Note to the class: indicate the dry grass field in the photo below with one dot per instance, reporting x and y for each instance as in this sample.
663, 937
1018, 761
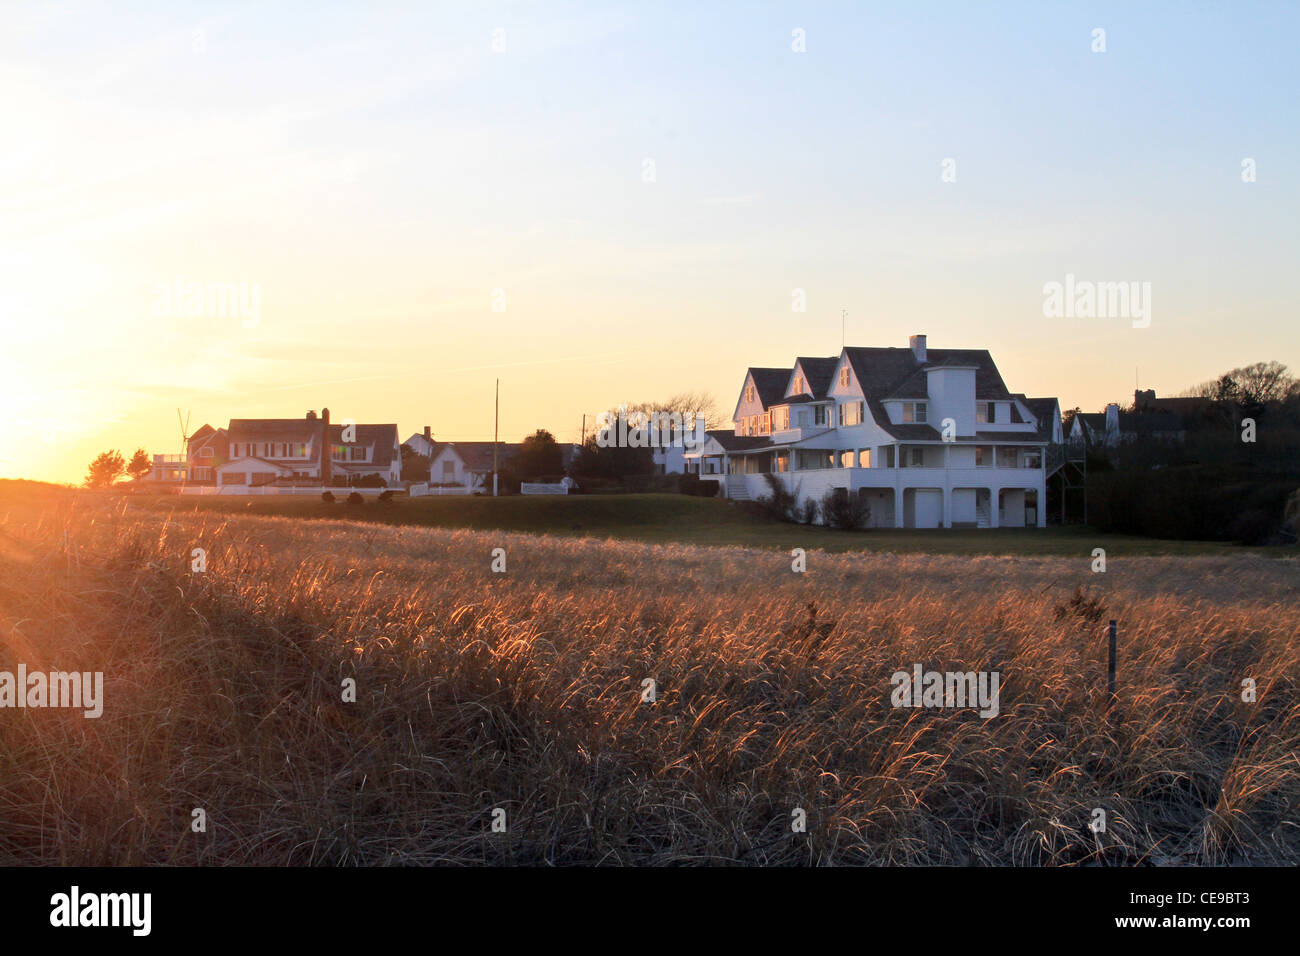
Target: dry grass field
522, 691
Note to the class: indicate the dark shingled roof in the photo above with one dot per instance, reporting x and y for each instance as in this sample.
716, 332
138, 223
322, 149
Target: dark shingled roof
477, 455
770, 383
730, 441
1148, 422
1045, 411
895, 373
382, 437
279, 429
819, 372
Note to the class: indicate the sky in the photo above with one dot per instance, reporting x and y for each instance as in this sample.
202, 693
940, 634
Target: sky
601, 203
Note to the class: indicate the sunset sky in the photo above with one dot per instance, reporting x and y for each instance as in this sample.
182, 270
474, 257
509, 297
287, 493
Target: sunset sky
377, 172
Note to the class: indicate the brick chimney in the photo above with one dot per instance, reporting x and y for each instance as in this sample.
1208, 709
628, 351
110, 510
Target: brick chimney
917, 344
326, 458
428, 434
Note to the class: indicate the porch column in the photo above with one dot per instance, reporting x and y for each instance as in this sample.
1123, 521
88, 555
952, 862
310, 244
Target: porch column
995, 501
898, 506
947, 489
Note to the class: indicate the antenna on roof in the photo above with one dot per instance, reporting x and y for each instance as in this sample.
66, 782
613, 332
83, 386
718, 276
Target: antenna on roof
844, 318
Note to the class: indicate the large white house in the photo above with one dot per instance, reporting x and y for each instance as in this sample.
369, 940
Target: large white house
928, 437
272, 455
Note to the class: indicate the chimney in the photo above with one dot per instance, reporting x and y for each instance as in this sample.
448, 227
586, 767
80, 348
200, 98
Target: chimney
311, 416
326, 458
917, 344
428, 434
1112, 422
1143, 398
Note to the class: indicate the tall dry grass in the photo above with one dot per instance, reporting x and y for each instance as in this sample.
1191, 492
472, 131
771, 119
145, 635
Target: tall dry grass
523, 691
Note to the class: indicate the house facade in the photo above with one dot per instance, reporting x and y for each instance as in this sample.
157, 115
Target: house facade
468, 465
928, 438
261, 455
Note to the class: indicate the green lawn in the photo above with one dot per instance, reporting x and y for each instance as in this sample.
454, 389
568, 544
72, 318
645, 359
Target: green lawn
666, 518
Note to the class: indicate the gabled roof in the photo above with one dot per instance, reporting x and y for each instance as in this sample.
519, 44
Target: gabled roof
382, 437
476, 455
894, 373
278, 429
819, 373
770, 384
1046, 411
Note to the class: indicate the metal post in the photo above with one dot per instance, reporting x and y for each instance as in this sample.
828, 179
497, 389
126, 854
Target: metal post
496, 423
1110, 665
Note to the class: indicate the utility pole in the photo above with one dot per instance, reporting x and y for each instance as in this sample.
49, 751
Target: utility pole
496, 427
584, 429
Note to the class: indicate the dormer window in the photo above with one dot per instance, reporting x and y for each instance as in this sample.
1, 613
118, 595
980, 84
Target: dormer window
844, 376
985, 412
914, 412
798, 385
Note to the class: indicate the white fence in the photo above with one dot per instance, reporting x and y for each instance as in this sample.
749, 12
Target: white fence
246, 490
424, 489
536, 488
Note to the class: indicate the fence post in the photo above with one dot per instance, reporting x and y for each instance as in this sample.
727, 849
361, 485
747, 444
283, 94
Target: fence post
1110, 665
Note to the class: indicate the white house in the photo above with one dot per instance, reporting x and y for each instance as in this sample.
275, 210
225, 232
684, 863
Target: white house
927, 437
422, 444
469, 464
305, 452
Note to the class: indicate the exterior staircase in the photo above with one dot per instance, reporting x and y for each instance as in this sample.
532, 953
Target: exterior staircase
982, 519
737, 490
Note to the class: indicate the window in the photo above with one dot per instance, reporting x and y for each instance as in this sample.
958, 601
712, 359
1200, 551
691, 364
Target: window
819, 415
914, 411
449, 469
782, 419
798, 385
767, 423
749, 392
918, 458
846, 459
864, 458
844, 376
985, 412
205, 452
851, 413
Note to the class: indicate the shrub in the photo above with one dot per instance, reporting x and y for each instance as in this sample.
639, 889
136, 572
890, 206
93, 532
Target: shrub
370, 481
386, 497
355, 499
780, 504
692, 484
810, 511
327, 497
843, 510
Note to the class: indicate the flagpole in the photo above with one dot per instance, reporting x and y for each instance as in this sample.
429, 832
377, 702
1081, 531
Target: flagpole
496, 424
